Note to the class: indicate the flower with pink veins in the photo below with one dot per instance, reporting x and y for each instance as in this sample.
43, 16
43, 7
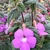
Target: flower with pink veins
24, 39
41, 29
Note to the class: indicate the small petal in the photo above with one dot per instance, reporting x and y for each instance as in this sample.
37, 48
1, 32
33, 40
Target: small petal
2, 27
28, 32
42, 17
5, 16
6, 26
25, 46
43, 33
31, 41
2, 20
40, 27
16, 43
7, 29
18, 33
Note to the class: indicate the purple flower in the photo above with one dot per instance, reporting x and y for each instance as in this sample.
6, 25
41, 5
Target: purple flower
5, 16
42, 33
41, 17
24, 39
7, 27
2, 27
41, 29
2, 19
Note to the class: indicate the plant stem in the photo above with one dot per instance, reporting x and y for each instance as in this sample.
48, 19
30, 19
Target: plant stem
39, 0
35, 13
22, 17
32, 17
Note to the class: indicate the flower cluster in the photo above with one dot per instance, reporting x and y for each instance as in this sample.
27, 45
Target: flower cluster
2, 25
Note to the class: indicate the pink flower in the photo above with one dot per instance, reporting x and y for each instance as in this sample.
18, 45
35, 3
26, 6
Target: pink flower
24, 39
42, 33
41, 29
48, 13
41, 17
2, 19
7, 27
2, 27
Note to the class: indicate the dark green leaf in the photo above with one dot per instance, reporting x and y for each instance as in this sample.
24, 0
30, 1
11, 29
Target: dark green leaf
33, 6
13, 14
21, 7
1, 14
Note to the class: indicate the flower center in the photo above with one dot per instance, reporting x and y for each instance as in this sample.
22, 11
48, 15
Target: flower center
24, 39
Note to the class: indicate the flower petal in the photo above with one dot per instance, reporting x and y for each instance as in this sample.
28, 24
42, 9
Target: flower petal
16, 43
25, 46
2, 27
2, 20
42, 33
40, 27
31, 41
18, 33
28, 32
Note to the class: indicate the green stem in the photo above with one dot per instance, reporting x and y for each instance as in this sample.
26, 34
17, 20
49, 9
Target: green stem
35, 14
40, 44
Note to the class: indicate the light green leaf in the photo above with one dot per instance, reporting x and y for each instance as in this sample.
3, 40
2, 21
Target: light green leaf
31, 1
39, 5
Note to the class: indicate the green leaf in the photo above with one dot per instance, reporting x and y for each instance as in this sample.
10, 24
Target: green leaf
5, 45
11, 0
24, 1
33, 6
1, 33
13, 48
27, 18
21, 7
31, 1
12, 28
13, 14
39, 5
1, 14
47, 26
1, 6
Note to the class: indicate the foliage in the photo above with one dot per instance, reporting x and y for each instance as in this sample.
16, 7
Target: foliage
15, 13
